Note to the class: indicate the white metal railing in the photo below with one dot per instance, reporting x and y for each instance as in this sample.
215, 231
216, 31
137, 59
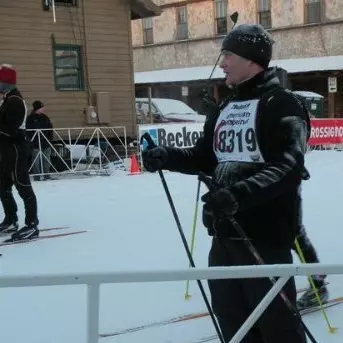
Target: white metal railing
77, 150
94, 280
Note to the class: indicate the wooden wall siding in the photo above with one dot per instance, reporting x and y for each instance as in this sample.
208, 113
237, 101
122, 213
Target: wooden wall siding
25, 42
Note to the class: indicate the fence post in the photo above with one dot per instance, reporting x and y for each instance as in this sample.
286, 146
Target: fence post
93, 299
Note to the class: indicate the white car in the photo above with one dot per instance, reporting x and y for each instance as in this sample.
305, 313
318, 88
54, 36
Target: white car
166, 111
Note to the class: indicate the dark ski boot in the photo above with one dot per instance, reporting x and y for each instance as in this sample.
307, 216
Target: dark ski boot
25, 233
9, 226
309, 298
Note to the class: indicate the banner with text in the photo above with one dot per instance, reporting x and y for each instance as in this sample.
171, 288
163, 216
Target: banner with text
326, 132
180, 135
184, 135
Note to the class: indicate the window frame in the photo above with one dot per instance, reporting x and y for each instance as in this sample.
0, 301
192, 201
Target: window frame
182, 26
80, 68
148, 31
319, 18
221, 18
66, 3
264, 13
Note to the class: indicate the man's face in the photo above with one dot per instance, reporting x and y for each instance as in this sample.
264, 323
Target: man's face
236, 68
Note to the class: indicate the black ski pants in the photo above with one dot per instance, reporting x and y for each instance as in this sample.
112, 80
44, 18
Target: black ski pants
233, 300
14, 170
308, 250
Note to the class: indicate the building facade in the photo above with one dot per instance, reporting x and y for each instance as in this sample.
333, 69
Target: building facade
188, 35
75, 56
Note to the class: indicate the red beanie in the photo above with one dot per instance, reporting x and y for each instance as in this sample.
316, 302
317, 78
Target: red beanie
8, 74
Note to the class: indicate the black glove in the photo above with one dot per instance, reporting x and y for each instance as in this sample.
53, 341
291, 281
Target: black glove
217, 207
155, 159
221, 202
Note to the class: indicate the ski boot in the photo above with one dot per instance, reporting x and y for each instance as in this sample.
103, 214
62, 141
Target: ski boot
9, 226
25, 233
309, 298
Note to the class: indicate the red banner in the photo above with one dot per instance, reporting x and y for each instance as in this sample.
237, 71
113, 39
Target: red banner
326, 132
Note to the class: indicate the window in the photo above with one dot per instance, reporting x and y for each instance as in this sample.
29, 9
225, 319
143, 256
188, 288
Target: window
143, 114
68, 67
182, 25
65, 2
221, 16
312, 11
264, 13
148, 37
47, 4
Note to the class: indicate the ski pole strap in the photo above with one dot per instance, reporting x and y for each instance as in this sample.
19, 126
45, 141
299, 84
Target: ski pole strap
212, 187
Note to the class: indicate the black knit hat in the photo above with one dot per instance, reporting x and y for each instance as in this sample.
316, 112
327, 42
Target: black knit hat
37, 105
252, 42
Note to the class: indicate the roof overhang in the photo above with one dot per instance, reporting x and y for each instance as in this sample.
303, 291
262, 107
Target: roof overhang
292, 66
143, 9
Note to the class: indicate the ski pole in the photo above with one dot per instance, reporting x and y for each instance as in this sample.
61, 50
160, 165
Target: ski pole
187, 295
151, 144
302, 259
212, 187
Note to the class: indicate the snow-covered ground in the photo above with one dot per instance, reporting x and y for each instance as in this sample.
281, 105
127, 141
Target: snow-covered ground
130, 227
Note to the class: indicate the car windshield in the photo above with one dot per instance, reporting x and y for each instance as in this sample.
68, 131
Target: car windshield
170, 106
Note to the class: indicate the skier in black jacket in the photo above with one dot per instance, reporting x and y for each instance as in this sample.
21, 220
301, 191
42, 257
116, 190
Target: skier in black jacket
14, 155
41, 141
309, 297
253, 148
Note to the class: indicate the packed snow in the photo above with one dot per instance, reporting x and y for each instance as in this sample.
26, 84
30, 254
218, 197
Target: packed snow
130, 227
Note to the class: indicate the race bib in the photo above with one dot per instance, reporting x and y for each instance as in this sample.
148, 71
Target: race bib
235, 133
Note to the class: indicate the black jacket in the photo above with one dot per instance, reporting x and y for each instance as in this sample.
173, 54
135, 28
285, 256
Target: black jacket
39, 121
12, 118
267, 193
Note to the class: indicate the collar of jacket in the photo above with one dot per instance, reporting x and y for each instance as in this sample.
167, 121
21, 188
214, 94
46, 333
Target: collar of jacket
257, 85
13, 91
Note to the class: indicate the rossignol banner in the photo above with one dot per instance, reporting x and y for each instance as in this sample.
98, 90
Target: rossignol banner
326, 132
184, 135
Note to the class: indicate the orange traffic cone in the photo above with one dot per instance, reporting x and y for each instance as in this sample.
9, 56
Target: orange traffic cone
134, 167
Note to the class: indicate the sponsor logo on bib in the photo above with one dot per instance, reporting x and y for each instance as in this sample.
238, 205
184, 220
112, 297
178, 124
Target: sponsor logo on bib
235, 133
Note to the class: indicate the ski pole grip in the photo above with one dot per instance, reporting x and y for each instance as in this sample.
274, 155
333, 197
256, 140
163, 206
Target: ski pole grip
207, 181
149, 140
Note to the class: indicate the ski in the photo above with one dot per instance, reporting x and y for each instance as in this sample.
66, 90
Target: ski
331, 303
46, 229
156, 324
328, 304
178, 319
42, 237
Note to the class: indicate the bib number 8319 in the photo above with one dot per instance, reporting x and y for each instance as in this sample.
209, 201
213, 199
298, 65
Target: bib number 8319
239, 141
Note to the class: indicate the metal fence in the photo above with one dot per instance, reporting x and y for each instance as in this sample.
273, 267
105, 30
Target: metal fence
94, 280
77, 150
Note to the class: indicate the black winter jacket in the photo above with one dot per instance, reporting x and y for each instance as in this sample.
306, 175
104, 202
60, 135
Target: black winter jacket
267, 193
12, 119
37, 121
